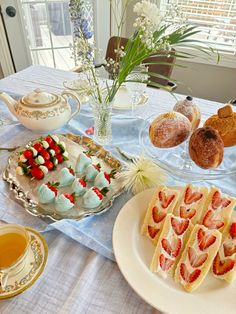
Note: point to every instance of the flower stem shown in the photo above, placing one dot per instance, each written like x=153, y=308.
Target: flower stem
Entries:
x=9, y=149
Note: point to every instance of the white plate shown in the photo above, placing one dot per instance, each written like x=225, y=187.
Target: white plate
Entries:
x=133, y=254
x=123, y=99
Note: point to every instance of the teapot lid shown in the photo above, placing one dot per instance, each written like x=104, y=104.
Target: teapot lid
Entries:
x=39, y=98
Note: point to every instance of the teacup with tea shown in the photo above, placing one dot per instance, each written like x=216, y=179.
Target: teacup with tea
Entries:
x=14, y=248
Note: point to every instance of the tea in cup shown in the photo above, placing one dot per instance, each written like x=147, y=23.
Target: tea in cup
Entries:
x=14, y=248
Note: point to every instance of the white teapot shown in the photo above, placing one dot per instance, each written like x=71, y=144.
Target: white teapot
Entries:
x=41, y=111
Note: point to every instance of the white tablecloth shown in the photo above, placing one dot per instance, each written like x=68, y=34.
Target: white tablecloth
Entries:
x=76, y=279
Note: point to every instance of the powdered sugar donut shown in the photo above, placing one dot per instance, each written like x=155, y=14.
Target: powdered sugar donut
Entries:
x=190, y=110
x=169, y=129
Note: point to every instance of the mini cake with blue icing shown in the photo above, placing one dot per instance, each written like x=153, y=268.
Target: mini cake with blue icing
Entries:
x=67, y=176
x=47, y=192
x=79, y=186
x=64, y=202
x=83, y=160
x=92, y=171
x=93, y=197
x=103, y=179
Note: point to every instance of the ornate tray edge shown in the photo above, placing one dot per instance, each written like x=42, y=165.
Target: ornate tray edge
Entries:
x=31, y=207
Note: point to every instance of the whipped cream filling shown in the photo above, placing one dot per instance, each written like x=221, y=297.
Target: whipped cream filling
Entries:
x=198, y=252
x=172, y=238
x=194, y=204
x=157, y=204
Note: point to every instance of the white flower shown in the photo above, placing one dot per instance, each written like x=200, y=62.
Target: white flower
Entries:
x=148, y=10
x=141, y=175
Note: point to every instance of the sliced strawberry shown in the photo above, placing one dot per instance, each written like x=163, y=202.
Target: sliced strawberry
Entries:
x=28, y=154
x=217, y=201
x=152, y=231
x=187, y=276
x=173, y=248
x=39, y=147
x=157, y=216
x=204, y=240
x=225, y=202
x=90, y=131
x=229, y=249
x=98, y=192
x=232, y=230
x=49, y=165
x=179, y=226
x=190, y=197
x=165, y=262
x=196, y=260
x=222, y=267
x=210, y=222
x=70, y=197
x=187, y=213
x=165, y=200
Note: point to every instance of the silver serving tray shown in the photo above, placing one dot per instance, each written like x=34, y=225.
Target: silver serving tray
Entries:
x=25, y=189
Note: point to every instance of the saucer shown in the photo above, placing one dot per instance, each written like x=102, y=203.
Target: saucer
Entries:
x=81, y=87
x=34, y=267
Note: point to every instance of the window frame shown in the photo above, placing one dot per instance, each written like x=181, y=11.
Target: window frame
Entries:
x=226, y=59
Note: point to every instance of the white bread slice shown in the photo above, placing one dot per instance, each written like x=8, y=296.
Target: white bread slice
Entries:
x=224, y=264
x=155, y=215
x=218, y=210
x=191, y=270
x=191, y=202
x=175, y=234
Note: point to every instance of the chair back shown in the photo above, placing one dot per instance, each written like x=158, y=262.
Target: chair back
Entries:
x=113, y=43
x=162, y=69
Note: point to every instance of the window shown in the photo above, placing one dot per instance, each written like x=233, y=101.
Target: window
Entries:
x=215, y=18
x=49, y=31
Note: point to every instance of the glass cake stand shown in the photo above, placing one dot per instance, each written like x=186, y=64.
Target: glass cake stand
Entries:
x=177, y=163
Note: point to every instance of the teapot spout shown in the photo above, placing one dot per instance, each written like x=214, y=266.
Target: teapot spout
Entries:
x=9, y=101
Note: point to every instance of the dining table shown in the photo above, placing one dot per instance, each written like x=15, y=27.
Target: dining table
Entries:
x=81, y=275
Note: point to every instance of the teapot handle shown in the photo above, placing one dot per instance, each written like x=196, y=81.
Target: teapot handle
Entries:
x=67, y=93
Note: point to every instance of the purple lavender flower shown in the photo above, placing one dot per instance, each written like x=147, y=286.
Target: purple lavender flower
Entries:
x=80, y=24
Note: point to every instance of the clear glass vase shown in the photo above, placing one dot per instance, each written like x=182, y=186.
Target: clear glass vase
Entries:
x=102, y=122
